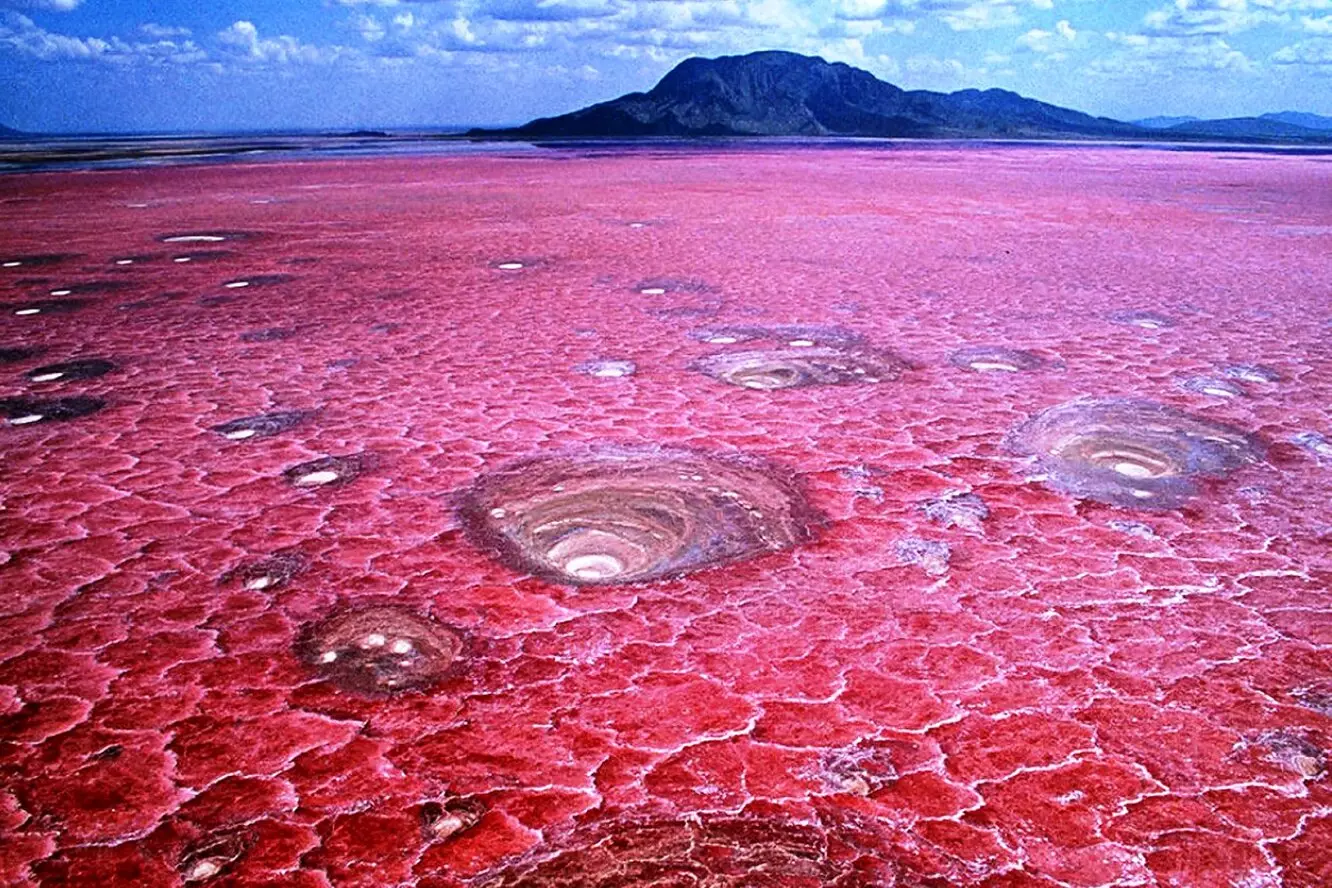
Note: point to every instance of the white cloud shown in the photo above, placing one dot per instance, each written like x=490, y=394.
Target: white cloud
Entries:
x=1149, y=55
x=1306, y=53
x=20, y=34
x=54, y=5
x=163, y=32
x=242, y=42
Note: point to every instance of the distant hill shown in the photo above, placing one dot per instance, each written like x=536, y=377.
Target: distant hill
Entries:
x=1162, y=122
x=1300, y=118
x=1248, y=128
x=787, y=94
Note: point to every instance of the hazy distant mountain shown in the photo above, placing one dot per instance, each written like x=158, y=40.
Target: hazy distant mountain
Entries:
x=1300, y=118
x=1248, y=128
x=786, y=94
x=1162, y=122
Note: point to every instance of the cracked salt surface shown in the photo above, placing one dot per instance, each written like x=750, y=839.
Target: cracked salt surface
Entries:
x=818, y=635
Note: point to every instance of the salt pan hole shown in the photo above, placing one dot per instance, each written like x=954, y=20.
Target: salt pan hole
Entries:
x=633, y=515
x=594, y=567
x=380, y=649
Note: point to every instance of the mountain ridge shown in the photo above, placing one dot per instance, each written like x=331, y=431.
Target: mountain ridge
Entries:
x=778, y=93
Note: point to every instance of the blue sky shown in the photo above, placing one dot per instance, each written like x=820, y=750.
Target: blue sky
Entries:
x=155, y=65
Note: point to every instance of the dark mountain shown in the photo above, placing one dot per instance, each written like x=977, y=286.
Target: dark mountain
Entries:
x=1247, y=128
x=1300, y=118
x=1162, y=122
x=786, y=94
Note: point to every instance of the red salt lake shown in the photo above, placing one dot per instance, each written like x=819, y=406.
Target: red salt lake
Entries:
x=972, y=502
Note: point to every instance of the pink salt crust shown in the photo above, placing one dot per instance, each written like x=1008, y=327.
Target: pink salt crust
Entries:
x=1081, y=695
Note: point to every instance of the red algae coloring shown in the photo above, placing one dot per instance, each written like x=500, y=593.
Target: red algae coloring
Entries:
x=421, y=569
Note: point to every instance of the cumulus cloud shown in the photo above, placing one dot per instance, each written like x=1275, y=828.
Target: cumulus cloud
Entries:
x=1192, y=18
x=1152, y=55
x=241, y=42
x=163, y=32
x=1315, y=54
x=1050, y=43
x=22, y=35
x=54, y=5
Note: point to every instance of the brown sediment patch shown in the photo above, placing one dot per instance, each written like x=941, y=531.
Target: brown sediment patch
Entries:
x=633, y=515
x=1131, y=453
x=272, y=572
x=36, y=260
x=712, y=851
x=202, y=256
x=258, y=280
x=17, y=353
x=89, y=288
x=381, y=649
x=1257, y=373
x=31, y=411
x=264, y=425
x=991, y=359
x=89, y=368
x=327, y=471
x=44, y=307
x=272, y=334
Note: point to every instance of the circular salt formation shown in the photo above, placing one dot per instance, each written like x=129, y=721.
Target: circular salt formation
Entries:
x=28, y=411
x=710, y=851
x=1212, y=386
x=995, y=359
x=272, y=572
x=1130, y=453
x=608, y=369
x=90, y=368
x=380, y=649
x=633, y=515
x=204, y=237
x=265, y=425
x=1252, y=373
x=796, y=367
x=328, y=471
x=1147, y=320
x=213, y=856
